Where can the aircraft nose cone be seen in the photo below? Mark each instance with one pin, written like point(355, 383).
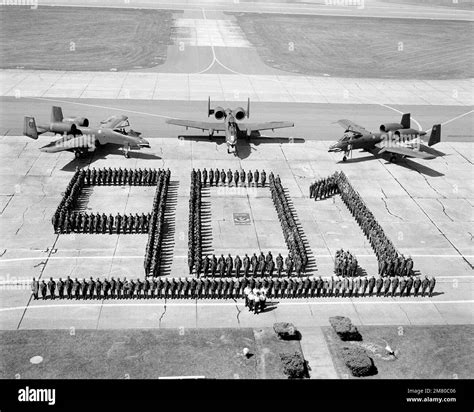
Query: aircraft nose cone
point(144, 143)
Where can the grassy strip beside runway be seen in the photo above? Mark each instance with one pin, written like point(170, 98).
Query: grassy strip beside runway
point(143, 353)
point(421, 352)
point(62, 38)
point(361, 47)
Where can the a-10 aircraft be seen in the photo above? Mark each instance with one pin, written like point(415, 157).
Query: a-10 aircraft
point(396, 139)
point(231, 124)
point(80, 138)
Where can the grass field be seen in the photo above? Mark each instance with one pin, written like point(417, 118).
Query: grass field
point(459, 4)
point(423, 352)
point(142, 353)
point(362, 47)
point(64, 38)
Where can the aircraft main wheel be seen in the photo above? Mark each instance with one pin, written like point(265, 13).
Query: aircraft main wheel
point(393, 159)
point(344, 158)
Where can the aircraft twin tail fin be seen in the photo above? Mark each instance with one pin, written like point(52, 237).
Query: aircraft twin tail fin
point(435, 136)
point(406, 121)
point(56, 115)
point(29, 127)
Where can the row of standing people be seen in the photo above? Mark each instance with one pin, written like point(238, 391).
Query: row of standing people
point(116, 177)
point(153, 255)
point(236, 178)
point(231, 288)
point(345, 263)
point(291, 232)
point(323, 188)
point(256, 266)
point(194, 229)
point(391, 262)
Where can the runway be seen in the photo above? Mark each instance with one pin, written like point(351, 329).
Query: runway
point(358, 8)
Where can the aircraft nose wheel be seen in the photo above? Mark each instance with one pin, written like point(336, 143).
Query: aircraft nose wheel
point(393, 159)
point(344, 158)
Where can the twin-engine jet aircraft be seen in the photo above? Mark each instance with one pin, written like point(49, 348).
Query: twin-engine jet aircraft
point(80, 138)
point(397, 139)
point(231, 124)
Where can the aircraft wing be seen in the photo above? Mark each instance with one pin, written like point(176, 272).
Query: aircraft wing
point(70, 143)
point(255, 127)
point(218, 127)
point(405, 151)
point(351, 126)
point(113, 121)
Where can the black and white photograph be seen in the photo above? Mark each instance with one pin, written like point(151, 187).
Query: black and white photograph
point(236, 200)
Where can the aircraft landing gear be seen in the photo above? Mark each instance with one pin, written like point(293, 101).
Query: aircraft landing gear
point(126, 149)
point(393, 159)
point(344, 158)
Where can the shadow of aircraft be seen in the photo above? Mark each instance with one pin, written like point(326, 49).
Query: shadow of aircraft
point(102, 153)
point(244, 144)
point(405, 162)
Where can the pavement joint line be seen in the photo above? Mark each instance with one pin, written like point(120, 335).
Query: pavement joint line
point(429, 218)
point(39, 277)
point(165, 305)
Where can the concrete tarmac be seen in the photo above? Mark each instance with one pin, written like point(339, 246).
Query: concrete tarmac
point(427, 215)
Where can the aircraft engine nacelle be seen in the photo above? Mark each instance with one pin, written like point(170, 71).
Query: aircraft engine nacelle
point(78, 121)
point(219, 113)
point(239, 113)
point(407, 132)
point(390, 127)
point(62, 127)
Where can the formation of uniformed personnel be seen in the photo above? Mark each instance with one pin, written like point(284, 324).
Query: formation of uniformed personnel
point(194, 229)
point(66, 220)
point(234, 178)
point(323, 188)
point(345, 263)
point(391, 262)
point(234, 287)
point(153, 258)
point(293, 239)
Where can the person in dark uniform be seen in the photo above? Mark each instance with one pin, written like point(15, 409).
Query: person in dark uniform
point(289, 266)
point(270, 267)
point(229, 177)
point(229, 263)
point(242, 176)
point(221, 267)
point(238, 266)
point(403, 285)
point(306, 287)
point(85, 288)
point(424, 285)
point(76, 288)
point(43, 289)
point(371, 285)
point(416, 285)
point(205, 265)
point(206, 285)
point(246, 265)
point(119, 288)
point(98, 288)
point(432, 286)
point(51, 288)
point(60, 288)
point(91, 288)
point(409, 285)
point(204, 177)
point(236, 178)
point(379, 284)
point(263, 178)
point(106, 288)
point(222, 177)
point(211, 177)
point(279, 264)
point(254, 262)
point(68, 287)
point(386, 286)
point(256, 176)
point(249, 178)
point(363, 286)
point(395, 282)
